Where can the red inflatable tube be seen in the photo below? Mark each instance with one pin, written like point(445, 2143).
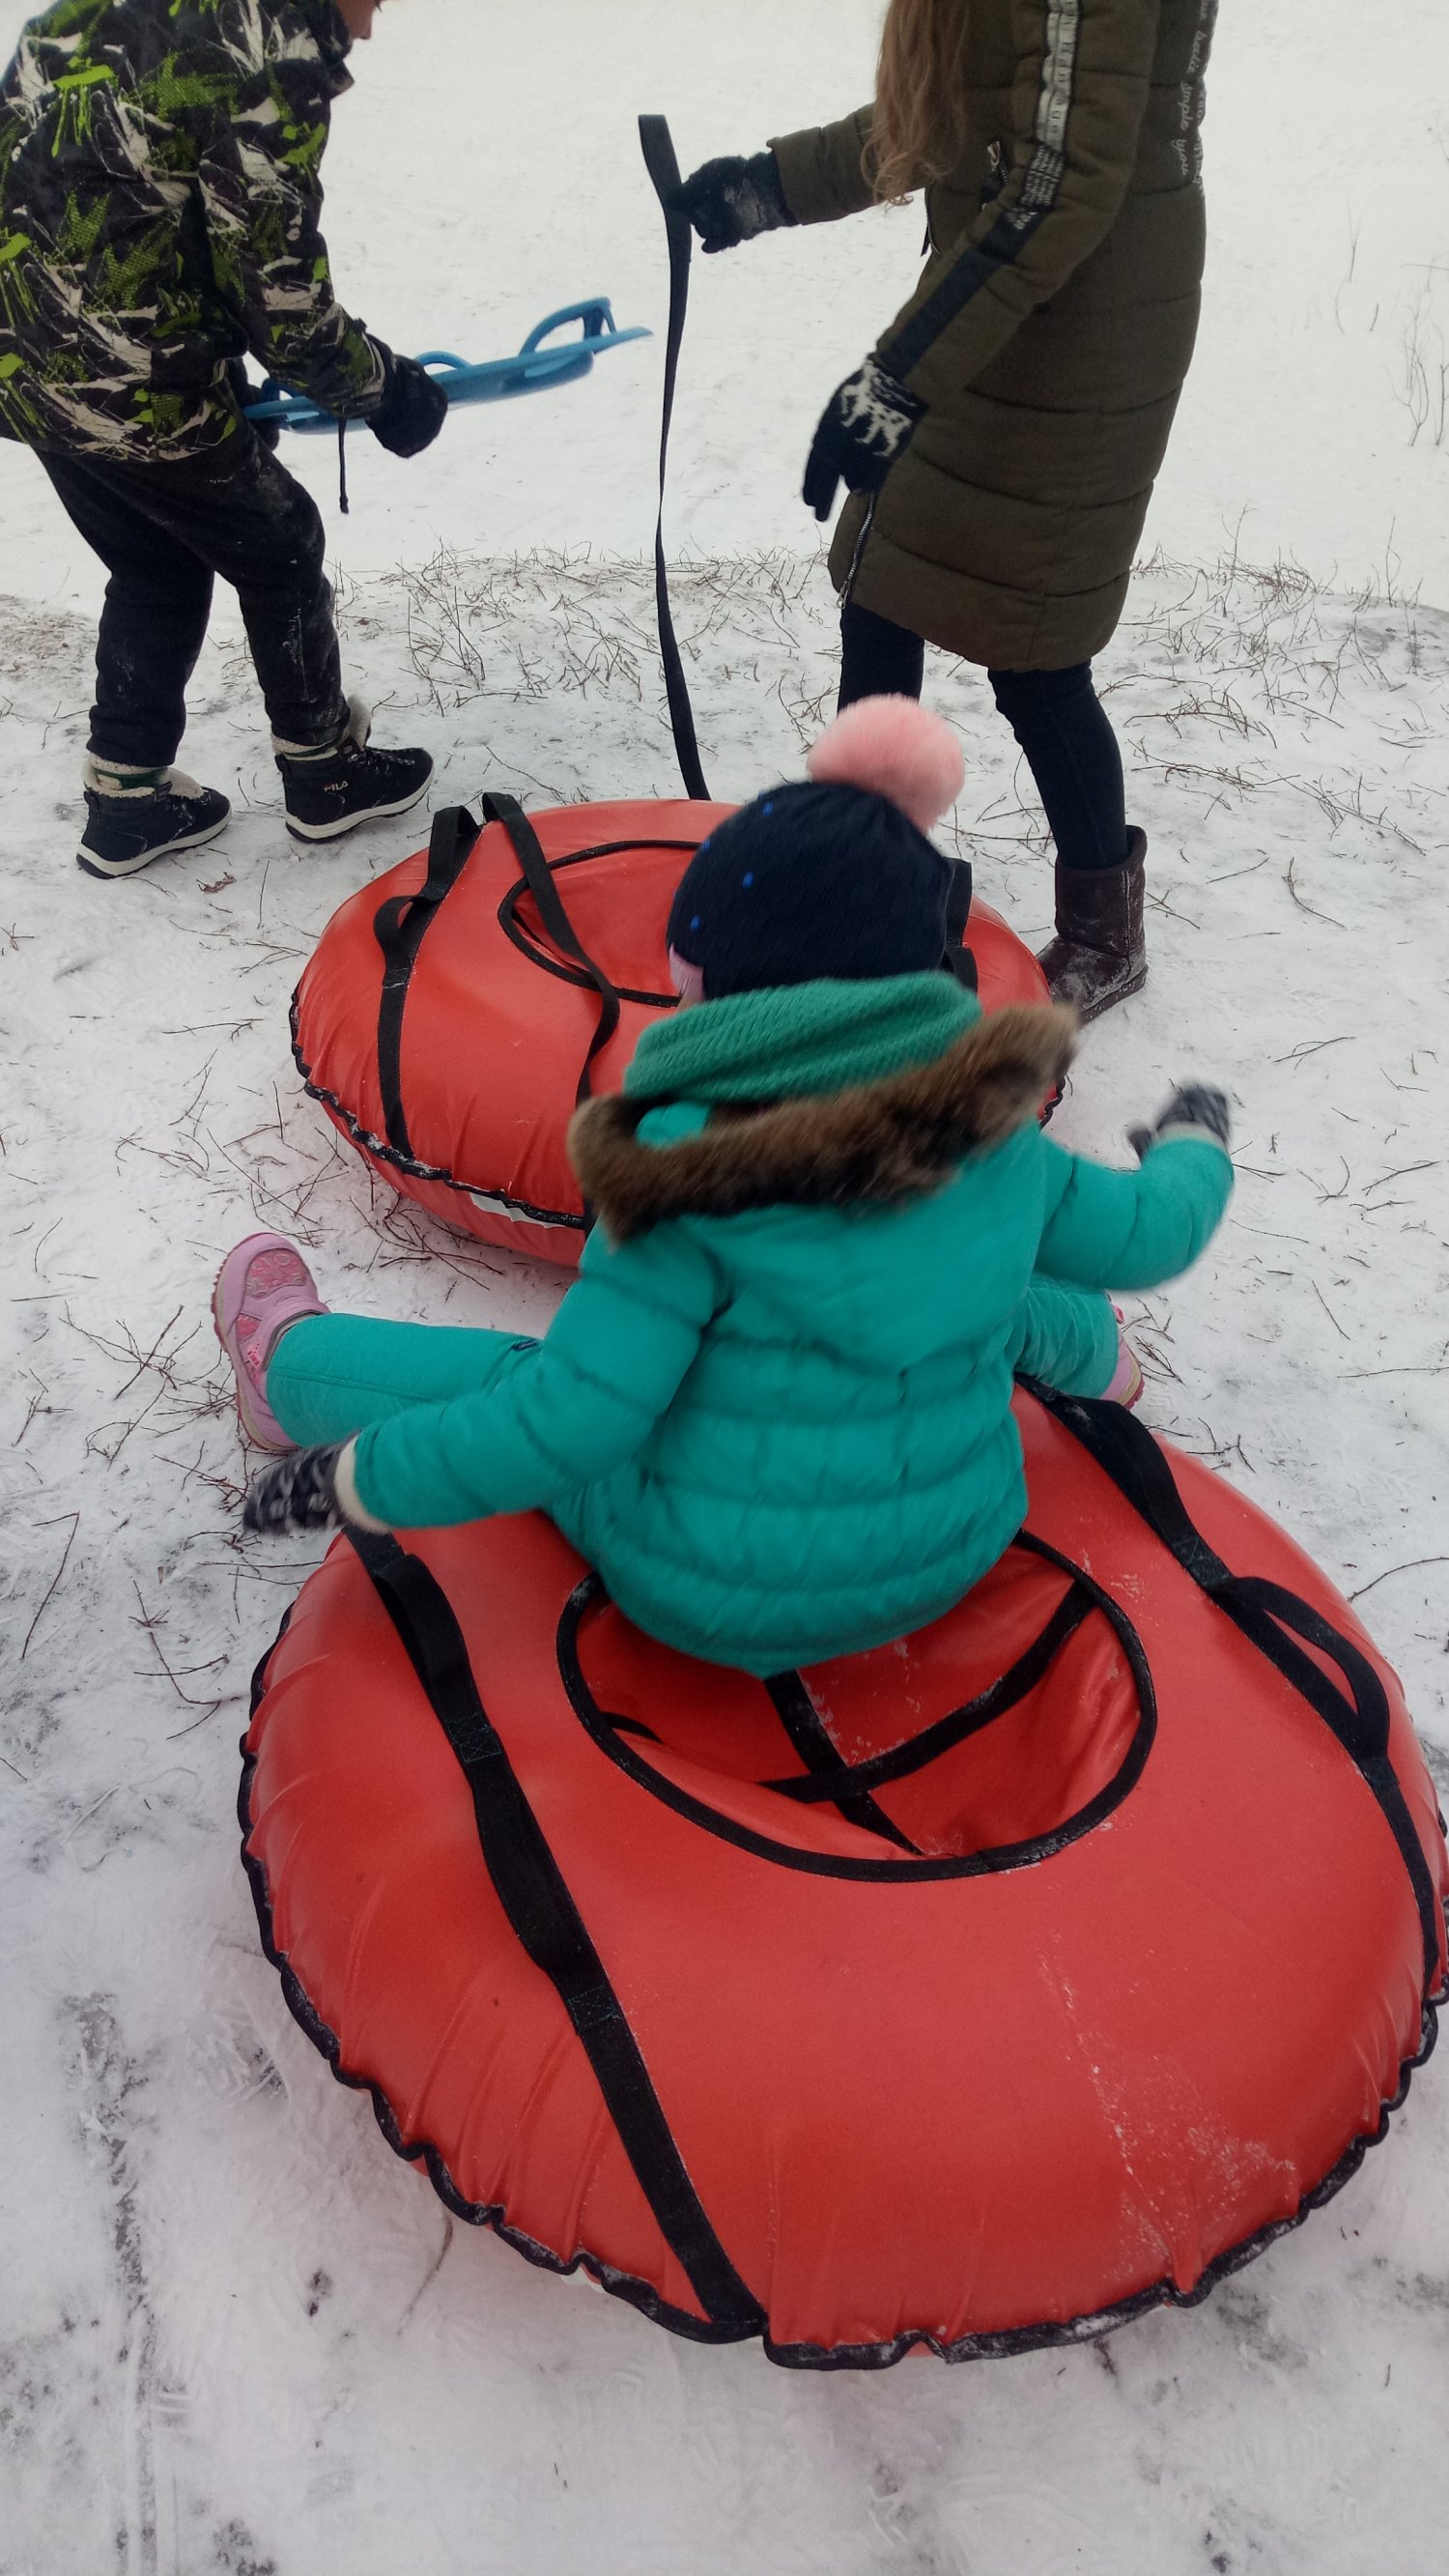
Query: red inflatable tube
point(452, 1016)
point(979, 1993)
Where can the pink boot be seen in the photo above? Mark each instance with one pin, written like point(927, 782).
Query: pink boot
point(1126, 1381)
point(261, 1288)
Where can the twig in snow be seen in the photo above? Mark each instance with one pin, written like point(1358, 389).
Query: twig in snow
point(56, 1580)
point(433, 2270)
point(1412, 1565)
point(150, 1624)
point(1310, 908)
point(1328, 1310)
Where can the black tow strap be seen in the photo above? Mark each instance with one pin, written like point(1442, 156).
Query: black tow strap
point(838, 1782)
point(1359, 1715)
point(400, 927)
point(535, 1897)
point(538, 876)
point(663, 168)
point(959, 958)
point(402, 924)
point(830, 1781)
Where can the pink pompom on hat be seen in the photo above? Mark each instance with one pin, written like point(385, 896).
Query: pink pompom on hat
point(893, 748)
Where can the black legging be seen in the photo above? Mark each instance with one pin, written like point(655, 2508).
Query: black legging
point(1056, 716)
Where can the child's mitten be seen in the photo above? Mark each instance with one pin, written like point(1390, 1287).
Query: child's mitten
point(412, 410)
point(299, 1492)
point(1195, 1109)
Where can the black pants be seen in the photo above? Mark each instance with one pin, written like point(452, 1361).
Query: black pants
point(166, 531)
point(1057, 717)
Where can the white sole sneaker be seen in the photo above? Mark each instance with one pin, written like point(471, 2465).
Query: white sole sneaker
point(352, 822)
point(107, 868)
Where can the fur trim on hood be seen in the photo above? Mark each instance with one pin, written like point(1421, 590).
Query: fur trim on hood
point(876, 1144)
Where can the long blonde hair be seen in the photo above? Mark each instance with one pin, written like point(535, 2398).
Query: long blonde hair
point(921, 97)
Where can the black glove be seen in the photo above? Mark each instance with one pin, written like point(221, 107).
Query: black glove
point(731, 201)
point(298, 1493)
point(243, 392)
point(412, 410)
point(1193, 1104)
point(868, 422)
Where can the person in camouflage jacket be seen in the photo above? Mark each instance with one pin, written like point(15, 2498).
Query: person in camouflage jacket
point(160, 219)
point(160, 204)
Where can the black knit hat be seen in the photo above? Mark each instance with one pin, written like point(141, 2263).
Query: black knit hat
point(811, 882)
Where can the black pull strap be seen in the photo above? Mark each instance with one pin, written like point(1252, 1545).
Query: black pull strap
point(542, 885)
point(1261, 1611)
point(400, 927)
point(840, 1781)
point(536, 1899)
point(663, 168)
point(831, 1781)
point(958, 915)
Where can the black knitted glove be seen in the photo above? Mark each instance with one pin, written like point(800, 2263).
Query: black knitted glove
point(297, 1493)
point(412, 410)
point(1193, 1104)
point(868, 422)
point(731, 201)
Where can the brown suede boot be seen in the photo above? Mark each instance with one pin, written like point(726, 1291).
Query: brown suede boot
point(1099, 954)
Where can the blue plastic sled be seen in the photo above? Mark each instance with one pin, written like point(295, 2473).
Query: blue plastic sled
point(533, 371)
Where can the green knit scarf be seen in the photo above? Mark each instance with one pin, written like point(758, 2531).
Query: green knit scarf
point(798, 1039)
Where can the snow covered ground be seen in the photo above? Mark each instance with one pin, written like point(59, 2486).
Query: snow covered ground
point(236, 2335)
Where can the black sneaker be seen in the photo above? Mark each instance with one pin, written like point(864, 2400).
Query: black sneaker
point(330, 792)
point(127, 829)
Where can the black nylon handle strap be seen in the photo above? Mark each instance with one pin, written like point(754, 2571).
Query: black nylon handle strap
point(831, 1780)
point(1260, 1610)
point(536, 1899)
point(400, 927)
point(841, 1780)
point(543, 886)
point(958, 915)
point(663, 167)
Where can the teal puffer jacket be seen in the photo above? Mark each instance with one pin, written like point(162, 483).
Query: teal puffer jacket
point(775, 1409)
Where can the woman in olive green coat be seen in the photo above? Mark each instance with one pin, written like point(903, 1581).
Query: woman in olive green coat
point(1000, 443)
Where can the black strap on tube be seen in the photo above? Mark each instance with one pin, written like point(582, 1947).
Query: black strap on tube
point(1272, 1619)
point(539, 878)
point(663, 168)
point(541, 1909)
point(959, 958)
point(400, 927)
point(811, 1738)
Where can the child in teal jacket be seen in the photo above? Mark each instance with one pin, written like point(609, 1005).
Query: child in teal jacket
point(774, 1412)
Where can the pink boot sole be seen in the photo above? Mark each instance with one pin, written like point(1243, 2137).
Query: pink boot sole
point(262, 1286)
point(1126, 1382)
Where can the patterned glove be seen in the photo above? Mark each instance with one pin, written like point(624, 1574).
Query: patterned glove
point(412, 410)
point(731, 201)
point(868, 422)
point(1194, 1107)
point(297, 1493)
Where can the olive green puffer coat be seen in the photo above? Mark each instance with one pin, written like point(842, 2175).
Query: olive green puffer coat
point(775, 1409)
point(1051, 331)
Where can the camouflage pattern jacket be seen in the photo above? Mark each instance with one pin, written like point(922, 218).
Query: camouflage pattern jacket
point(160, 203)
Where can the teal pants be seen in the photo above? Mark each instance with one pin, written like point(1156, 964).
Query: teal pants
point(334, 1375)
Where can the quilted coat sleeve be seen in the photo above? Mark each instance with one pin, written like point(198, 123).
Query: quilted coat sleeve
point(261, 188)
point(823, 169)
point(1080, 96)
point(1111, 1229)
point(562, 1412)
